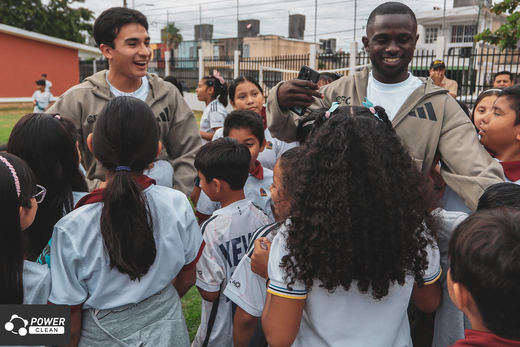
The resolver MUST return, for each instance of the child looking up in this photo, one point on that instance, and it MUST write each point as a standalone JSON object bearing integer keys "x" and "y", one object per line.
{"x": 500, "y": 132}
{"x": 48, "y": 143}
{"x": 213, "y": 91}
{"x": 342, "y": 272}
{"x": 41, "y": 98}
{"x": 223, "y": 167}
{"x": 247, "y": 128}
{"x": 484, "y": 277}
{"x": 23, "y": 281}
{"x": 246, "y": 288}
{"x": 126, "y": 244}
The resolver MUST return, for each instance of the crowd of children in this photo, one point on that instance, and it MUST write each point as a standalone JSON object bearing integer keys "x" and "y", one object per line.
{"x": 338, "y": 239}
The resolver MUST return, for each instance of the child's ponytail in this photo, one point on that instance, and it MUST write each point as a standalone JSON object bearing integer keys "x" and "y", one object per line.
{"x": 125, "y": 141}
{"x": 220, "y": 87}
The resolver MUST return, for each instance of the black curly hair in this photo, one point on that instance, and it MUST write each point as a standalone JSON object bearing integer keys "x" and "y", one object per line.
{"x": 360, "y": 207}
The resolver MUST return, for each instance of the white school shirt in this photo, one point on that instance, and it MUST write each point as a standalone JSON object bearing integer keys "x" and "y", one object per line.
{"x": 141, "y": 93}
{"x": 245, "y": 288}
{"x": 42, "y": 101}
{"x": 227, "y": 235}
{"x": 255, "y": 190}
{"x": 213, "y": 116}
{"x": 36, "y": 283}
{"x": 81, "y": 272}
{"x": 273, "y": 150}
{"x": 391, "y": 96}
{"x": 348, "y": 318}
{"x": 48, "y": 85}
{"x": 162, "y": 173}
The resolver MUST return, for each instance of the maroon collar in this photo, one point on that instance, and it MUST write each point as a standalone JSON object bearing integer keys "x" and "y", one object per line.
{"x": 511, "y": 168}
{"x": 97, "y": 194}
{"x": 258, "y": 172}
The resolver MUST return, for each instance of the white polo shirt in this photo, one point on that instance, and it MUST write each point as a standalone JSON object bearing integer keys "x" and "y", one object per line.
{"x": 36, "y": 283}
{"x": 348, "y": 318}
{"x": 80, "y": 269}
{"x": 213, "y": 116}
{"x": 227, "y": 235}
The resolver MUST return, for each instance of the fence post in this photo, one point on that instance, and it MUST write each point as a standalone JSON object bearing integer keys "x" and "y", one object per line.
{"x": 236, "y": 65}
{"x": 94, "y": 66}
{"x": 312, "y": 57}
{"x": 439, "y": 49}
{"x": 166, "y": 63}
{"x": 201, "y": 63}
{"x": 353, "y": 56}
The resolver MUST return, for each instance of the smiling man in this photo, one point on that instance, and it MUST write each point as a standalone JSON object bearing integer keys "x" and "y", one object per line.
{"x": 122, "y": 37}
{"x": 426, "y": 117}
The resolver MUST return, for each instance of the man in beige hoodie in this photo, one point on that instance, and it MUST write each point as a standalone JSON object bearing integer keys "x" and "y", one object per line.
{"x": 426, "y": 117}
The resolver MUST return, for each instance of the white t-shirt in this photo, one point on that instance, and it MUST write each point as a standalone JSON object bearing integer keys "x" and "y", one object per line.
{"x": 273, "y": 150}
{"x": 256, "y": 190}
{"x": 227, "y": 235}
{"x": 162, "y": 173}
{"x": 213, "y": 116}
{"x": 348, "y": 318}
{"x": 36, "y": 283}
{"x": 48, "y": 86}
{"x": 245, "y": 288}
{"x": 141, "y": 93}
{"x": 391, "y": 96}
{"x": 42, "y": 101}
{"x": 80, "y": 269}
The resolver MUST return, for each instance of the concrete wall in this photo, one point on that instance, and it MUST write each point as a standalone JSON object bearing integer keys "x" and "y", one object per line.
{"x": 24, "y": 60}
{"x": 196, "y": 105}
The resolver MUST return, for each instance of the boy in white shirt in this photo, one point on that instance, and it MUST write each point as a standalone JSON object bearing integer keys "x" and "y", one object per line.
{"x": 41, "y": 98}
{"x": 223, "y": 167}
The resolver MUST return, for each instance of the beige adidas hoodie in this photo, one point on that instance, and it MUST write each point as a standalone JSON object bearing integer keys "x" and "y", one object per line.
{"x": 430, "y": 119}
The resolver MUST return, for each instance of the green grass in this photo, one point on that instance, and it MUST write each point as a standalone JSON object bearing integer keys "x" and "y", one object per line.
{"x": 8, "y": 118}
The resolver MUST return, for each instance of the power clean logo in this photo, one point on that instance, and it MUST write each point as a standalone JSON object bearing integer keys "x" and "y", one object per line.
{"x": 34, "y": 325}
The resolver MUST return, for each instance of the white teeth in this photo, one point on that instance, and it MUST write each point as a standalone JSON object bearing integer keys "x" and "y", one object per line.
{"x": 391, "y": 60}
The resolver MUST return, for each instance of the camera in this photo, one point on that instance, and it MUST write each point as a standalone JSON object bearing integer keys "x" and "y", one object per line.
{"x": 308, "y": 74}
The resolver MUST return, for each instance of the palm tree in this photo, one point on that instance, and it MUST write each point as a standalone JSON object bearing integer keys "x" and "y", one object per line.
{"x": 171, "y": 35}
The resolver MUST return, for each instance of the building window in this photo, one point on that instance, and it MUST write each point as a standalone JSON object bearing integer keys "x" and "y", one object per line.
{"x": 192, "y": 52}
{"x": 463, "y": 33}
{"x": 215, "y": 51}
{"x": 246, "y": 50}
{"x": 431, "y": 35}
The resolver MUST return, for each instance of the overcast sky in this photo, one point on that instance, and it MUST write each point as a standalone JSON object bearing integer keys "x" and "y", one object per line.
{"x": 335, "y": 18}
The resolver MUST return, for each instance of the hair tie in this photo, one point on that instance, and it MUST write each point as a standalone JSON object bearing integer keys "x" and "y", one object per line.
{"x": 368, "y": 104}
{"x": 13, "y": 173}
{"x": 333, "y": 108}
{"x": 216, "y": 74}
{"x": 123, "y": 168}
{"x": 58, "y": 117}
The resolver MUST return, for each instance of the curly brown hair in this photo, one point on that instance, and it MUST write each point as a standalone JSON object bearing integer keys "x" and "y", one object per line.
{"x": 360, "y": 207}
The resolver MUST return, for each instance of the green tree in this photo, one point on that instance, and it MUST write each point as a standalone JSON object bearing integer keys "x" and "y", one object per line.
{"x": 508, "y": 35}
{"x": 56, "y": 19}
{"x": 172, "y": 35}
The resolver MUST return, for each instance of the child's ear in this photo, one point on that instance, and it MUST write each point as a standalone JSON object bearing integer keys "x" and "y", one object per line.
{"x": 159, "y": 148}
{"x": 106, "y": 50}
{"x": 217, "y": 185}
{"x": 262, "y": 146}
{"x": 89, "y": 142}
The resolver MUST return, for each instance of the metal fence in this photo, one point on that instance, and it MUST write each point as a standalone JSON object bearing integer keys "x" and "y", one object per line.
{"x": 473, "y": 72}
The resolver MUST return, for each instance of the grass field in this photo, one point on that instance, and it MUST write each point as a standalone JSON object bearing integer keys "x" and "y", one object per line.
{"x": 191, "y": 303}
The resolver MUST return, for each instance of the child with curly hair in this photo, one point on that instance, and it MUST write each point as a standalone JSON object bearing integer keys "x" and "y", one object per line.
{"x": 342, "y": 271}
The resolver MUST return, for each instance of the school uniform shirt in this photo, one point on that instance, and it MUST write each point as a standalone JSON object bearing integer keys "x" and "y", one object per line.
{"x": 245, "y": 288}
{"x": 227, "y": 235}
{"x": 162, "y": 173}
{"x": 348, "y": 318}
{"x": 476, "y": 338}
{"x": 80, "y": 268}
{"x": 42, "y": 101}
{"x": 36, "y": 283}
{"x": 48, "y": 85}
{"x": 256, "y": 190}
{"x": 213, "y": 117}
{"x": 511, "y": 170}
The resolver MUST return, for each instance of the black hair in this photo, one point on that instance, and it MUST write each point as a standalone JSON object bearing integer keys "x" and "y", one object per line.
{"x": 241, "y": 79}
{"x": 360, "y": 207}
{"x": 44, "y": 75}
{"x": 3, "y": 148}
{"x": 504, "y": 73}
{"x": 307, "y": 125}
{"x": 224, "y": 159}
{"x": 484, "y": 254}
{"x": 176, "y": 83}
{"x": 390, "y": 8}
{"x": 40, "y": 82}
{"x": 108, "y": 24}
{"x": 11, "y": 238}
{"x": 126, "y": 134}
{"x": 513, "y": 96}
{"x": 329, "y": 77}
{"x": 245, "y": 119}
{"x": 500, "y": 195}
{"x": 47, "y": 142}
{"x": 220, "y": 90}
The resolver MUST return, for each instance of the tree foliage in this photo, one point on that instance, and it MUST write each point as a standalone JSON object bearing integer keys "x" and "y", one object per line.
{"x": 55, "y": 19}
{"x": 173, "y": 34}
{"x": 508, "y": 35}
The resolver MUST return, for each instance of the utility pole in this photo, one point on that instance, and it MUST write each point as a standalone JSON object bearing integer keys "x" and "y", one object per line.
{"x": 168, "y": 30}
{"x": 124, "y": 3}
{"x": 355, "y": 13}
{"x": 315, "y": 19}
{"x": 237, "y": 25}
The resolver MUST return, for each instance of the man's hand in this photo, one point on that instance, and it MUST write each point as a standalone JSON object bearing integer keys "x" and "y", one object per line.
{"x": 297, "y": 93}
{"x": 437, "y": 77}
{"x": 260, "y": 257}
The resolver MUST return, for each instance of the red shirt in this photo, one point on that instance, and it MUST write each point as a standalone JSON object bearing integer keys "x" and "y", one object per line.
{"x": 476, "y": 338}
